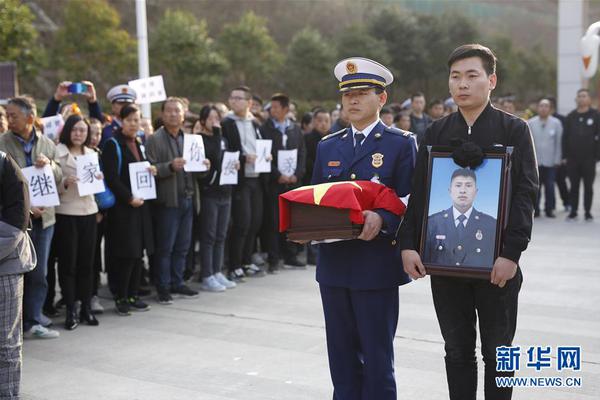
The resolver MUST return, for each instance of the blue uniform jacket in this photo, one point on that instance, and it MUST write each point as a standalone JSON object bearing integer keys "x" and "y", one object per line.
{"x": 388, "y": 155}
{"x": 443, "y": 246}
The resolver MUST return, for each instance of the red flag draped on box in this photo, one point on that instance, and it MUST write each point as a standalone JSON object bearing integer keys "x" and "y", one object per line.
{"x": 355, "y": 196}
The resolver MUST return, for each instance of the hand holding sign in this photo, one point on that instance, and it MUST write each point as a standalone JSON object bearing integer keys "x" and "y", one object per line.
{"x": 42, "y": 186}
{"x": 193, "y": 154}
{"x": 143, "y": 185}
{"x": 90, "y": 179}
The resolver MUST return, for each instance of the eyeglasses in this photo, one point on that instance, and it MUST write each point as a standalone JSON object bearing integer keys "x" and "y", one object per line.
{"x": 237, "y": 98}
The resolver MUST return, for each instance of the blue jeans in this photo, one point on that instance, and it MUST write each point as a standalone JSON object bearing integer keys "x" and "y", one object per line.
{"x": 547, "y": 179}
{"x": 214, "y": 220}
{"x": 173, "y": 236}
{"x": 35, "y": 285}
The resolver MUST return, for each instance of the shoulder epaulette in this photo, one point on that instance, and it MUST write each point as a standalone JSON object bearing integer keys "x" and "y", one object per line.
{"x": 333, "y": 134}
{"x": 399, "y": 132}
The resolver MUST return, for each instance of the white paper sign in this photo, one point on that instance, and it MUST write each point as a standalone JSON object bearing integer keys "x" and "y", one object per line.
{"x": 142, "y": 181}
{"x": 263, "y": 150}
{"x": 42, "y": 186}
{"x": 193, "y": 153}
{"x": 52, "y": 126}
{"x": 149, "y": 90}
{"x": 88, "y": 171}
{"x": 229, "y": 174}
{"x": 287, "y": 160}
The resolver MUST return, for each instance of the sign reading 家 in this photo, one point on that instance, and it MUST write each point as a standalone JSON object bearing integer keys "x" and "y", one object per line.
{"x": 90, "y": 179}
{"x": 142, "y": 181}
{"x": 149, "y": 90}
{"x": 42, "y": 186}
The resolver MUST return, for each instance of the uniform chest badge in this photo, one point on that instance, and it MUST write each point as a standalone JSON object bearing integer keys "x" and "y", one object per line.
{"x": 479, "y": 235}
{"x": 377, "y": 160}
{"x": 440, "y": 237}
{"x": 351, "y": 67}
{"x": 333, "y": 164}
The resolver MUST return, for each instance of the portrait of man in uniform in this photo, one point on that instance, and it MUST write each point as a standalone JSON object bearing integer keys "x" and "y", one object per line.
{"x": 461, "y": 235}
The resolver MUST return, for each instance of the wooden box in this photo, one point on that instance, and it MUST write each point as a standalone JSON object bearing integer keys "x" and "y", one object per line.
{"x": 311, "y": 222}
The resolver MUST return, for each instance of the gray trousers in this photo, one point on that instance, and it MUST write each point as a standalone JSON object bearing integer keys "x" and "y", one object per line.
{"x": 11, "y": 338}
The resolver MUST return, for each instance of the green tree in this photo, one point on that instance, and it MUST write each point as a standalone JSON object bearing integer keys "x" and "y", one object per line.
{"x": 91, "y": 44}
{"x": 182, "y": 51}
{"x": 252, "y": 53}
{"x": 19, "y": 39}
{"x": 356, "y": 40}
{"x": 308, "y": 66}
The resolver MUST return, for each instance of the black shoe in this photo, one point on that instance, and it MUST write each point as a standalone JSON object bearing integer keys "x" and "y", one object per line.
{"x": 588, "y": 217}
{"x": 237, "y": 275}
{"x": 536, "y": 214}
{"x": 71, "y": 321}
{"x": 51, "y": 311}
{"x": 143, "y": 292}
{"x": 185, "y": 292}
{"x": 164, "y": 298}
{"x": 311, "y": 260}
{"x": 572, "y": 216}
{"x": 86, "y": 315}
{"x": 60, "y": 304}
{"x": 295, "y": 263}
{"x": 274, "y": 268}
{"x": 550, "y": 214}
{"x": 122, "y": 307}
{"x": 135, "y": 304}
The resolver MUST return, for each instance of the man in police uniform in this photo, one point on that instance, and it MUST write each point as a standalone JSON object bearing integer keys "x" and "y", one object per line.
{"x": 359, "y": 278}
{"x": 461, "y": 235}
{"x": 119, "y": 96}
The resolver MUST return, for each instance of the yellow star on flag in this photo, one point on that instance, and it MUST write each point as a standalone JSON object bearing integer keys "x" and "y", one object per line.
{"x": 320, "y": 190}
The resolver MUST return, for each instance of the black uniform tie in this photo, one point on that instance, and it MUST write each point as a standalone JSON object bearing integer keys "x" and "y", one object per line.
{"x": 461, "y": 226}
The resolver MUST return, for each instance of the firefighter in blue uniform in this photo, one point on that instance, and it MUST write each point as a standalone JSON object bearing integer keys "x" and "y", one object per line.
{"x": 461, "y": 236}
{"x": 119, "y": 96}
{"x": 359, "y": 278}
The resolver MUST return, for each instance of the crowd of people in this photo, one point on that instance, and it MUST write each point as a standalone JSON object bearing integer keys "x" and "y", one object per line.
{"x": 197, "y": 228}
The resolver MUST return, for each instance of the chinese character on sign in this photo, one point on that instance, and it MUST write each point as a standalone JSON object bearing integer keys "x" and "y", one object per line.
{"x": 41, "y": 185}
{"x": 90, "y": 171}
{"x": 569, "y": 358}
{"x": 143, "y": 180}
{"x": 230, "y": 168}
{"x": 507, "y": 358}
{"x": 289, "y": 166}
{"x": 539, "y": 357}
{"x": 196, "y": 152}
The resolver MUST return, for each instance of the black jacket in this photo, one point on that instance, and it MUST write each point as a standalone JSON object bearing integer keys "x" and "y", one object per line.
{"x": 14, "y": 194}
{"x": 295, "y": 140}
{"x": 214, "y": 147}
{"x": 491, "y": 127}
{"x": 581, "y": 136}
{"x": 311, "y": 142}
{"x": 129, "y": 229}
{"x": 231, "y": 133}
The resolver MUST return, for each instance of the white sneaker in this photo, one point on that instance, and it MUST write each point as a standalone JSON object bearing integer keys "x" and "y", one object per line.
{"x": 211, "y": 284}
{"x": 39, "y": 332}
{"x": 257, "y": 259}
{"x": 253, "y": 270}
{"x": 220, "y": 278}
{"x": 96, "y": 306}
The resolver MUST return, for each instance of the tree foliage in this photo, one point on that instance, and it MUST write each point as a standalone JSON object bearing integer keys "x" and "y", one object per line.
{"x": 251, "y": 51}
{"x": 19, "y": 38}
{"x": 91, "y": 44}
{"x": 182, "y": 51}
{"x": 308, "y": 66}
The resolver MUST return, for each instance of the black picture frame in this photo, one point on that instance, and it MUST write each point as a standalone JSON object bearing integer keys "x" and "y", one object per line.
{"x": 471, "y": 250}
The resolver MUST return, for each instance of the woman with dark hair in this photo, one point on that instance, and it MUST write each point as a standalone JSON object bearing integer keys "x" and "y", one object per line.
{"x": 129, "y": 223}
{"x": 75, "y": 225}
{"x": 215, "y": 206}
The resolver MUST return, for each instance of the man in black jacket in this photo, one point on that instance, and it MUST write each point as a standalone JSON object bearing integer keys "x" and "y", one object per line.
{"x": 581, "y": 141}
{"x": 286, "y": 135}
{"x": 460, "y": 301}
{"x": 241, "y": 131}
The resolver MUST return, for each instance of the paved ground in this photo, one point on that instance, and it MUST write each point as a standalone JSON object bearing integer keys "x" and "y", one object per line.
{"x": 266, "y": 340}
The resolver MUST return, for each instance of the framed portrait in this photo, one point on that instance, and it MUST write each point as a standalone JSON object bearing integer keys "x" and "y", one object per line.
{"x": 465, "y": 213}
